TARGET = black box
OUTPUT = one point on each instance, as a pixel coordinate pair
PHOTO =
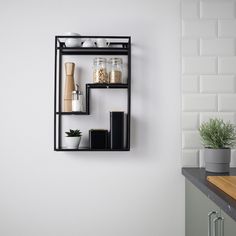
(117, 129)
(98, 139)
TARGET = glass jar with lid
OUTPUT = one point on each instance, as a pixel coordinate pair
(115, 74)
(100, 74)
(77, 100)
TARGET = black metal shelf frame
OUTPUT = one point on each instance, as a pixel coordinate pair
(89, 149)
(119, 45)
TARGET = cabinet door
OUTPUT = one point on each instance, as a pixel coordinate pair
(229, 225)
(196, 211)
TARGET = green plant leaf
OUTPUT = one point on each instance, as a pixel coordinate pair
(217, 134)
(74, 133)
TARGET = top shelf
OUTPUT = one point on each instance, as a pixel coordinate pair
(119, 45)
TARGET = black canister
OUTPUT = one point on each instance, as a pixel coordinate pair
(98, 139)
(117, 129)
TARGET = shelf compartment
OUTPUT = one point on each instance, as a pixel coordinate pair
(93, 86)
(89, 149)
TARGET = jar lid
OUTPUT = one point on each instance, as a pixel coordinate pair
(100, 60)
(116, 60)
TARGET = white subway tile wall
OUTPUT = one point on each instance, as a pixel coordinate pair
(217, 84)
(227, 65)
(227, 116)
(217, 47)
(190, 120)
(191, 140)
(190, 157)
(199, 28)
(199, 102)
(227, 28)
(208, 71)
(190, 84)
(215, 9)
(199, 65)
(190, 47)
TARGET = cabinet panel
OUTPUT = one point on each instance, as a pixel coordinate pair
(196, 211)
(229, 225)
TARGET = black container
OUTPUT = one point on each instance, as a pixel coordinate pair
(117, 130)
(98, 139)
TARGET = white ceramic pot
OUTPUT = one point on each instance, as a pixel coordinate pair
(73, 42)
(102, 43)
(89, 43)
(72, 142)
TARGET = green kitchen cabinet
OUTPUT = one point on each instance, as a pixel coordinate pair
(203, 217)
(229, 225)
(198, 206)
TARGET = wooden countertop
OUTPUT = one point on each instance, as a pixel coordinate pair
(225, 183)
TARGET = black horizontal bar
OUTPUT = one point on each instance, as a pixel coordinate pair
(72, 113)
(115, 43)
(92, 150)
(93, 48)
(93, 52)
(109, 86)
(92, 37)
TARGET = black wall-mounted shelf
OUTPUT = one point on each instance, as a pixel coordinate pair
(119, 45)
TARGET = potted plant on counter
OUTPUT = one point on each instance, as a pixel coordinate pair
(217, 138)
(73, 138)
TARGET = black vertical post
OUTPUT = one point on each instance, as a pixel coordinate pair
(60, 99)
(129, 94)
(87, 99)
(55, 96)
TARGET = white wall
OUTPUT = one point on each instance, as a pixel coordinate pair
(43, 192)
(208, 69)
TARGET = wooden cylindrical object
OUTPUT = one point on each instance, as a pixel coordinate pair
(69, 86)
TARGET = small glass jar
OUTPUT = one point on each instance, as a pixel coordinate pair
(115, 74)
(100, 74)
(77, 101)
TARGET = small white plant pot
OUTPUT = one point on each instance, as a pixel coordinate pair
(72, 142)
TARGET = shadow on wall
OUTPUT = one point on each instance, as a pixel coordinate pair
(141, 136)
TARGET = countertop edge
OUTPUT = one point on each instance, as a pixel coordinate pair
(220, 198)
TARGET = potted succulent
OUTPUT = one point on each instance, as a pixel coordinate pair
(73, 138)
(217, 138)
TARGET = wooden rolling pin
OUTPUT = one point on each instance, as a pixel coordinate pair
(69, 86)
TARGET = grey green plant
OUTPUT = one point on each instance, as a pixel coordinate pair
(74, 133)
(217, 134)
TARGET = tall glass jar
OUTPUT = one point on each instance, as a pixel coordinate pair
(100, 74)
(115, 74)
